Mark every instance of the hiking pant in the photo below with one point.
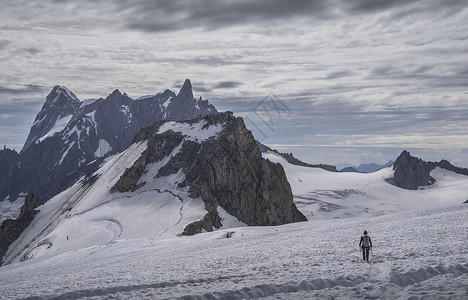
(365, 253)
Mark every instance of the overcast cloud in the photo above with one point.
(362, 80)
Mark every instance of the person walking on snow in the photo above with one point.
(365, 244)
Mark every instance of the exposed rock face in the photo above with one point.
(412, 172)
(293, 160)
(9, 167)
(444, 164)
(10, 230)
(70, 138)
(226, 170)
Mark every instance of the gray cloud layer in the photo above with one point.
(166, 15)
(352, 72)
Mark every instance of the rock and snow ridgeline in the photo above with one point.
(129, 219)
(176, 178)
(70, 138)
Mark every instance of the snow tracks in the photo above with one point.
(366, 286)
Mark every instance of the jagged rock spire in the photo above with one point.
(186, 92)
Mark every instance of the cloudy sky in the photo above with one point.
(339, 81)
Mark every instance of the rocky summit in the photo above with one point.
(70, 138)
(223, 166)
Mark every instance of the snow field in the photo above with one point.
(88, 243)
(323, 195)
(415, 256)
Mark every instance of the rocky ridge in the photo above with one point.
(69, 138)
(293, 160)
(226, 170)
(413, 173)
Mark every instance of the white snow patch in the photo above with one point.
(152, 169)
(193, 132)
(167, 102)
(87, 102)
(144, 97)
(103, 148)
(92, 118)
(73, 130)
(10, 210)
(65, 153)
(127, 112)
(59, 125)
(228, 220)
(149, 96)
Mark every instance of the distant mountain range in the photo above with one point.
(367, 168)
(293, 160)
(70, 139)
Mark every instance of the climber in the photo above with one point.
(365, 244)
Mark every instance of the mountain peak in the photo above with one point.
(59, 90)
(187, 83)
(60, 104)
(116, 92)
(185, 92)
(411, 172)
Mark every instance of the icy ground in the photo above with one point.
(417, 255)
(323, 195)
(96, 245)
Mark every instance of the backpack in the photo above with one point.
(365, 241)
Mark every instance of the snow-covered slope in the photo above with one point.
(94, 213)
(415, 256)
(320, 194)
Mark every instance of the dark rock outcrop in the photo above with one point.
(444, 164)
(349, 170)
(293, 160)
(10, 229)
(412, 173)
(225, 170)
(9, 167)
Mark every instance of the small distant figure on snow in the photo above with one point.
(365, 244)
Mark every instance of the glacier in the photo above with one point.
(420, 245)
